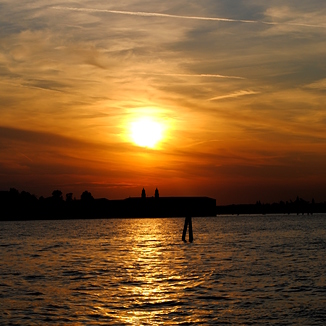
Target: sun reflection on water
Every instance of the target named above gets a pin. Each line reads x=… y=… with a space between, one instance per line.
x=151 y=278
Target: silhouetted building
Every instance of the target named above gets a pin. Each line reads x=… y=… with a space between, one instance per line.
x=157 y=195
x=143 y=193
x=163 y=207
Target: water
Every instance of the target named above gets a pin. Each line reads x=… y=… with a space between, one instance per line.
x=247 y=270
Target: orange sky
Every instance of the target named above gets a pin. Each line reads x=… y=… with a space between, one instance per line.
x=239 y=90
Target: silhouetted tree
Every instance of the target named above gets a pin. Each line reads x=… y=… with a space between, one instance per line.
x=14 y=192
x=26 y=196
x=57 y=195
x=69 y=197
x=86 y=196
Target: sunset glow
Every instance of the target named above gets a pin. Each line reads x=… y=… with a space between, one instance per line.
x=218 y=98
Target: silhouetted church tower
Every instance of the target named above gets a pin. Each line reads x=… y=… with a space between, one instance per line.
x=156 y=193
x=143 y=193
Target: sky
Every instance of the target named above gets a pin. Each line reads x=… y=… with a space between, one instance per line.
x=234 y=92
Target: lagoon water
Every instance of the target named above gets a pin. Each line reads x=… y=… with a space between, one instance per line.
x=247 y=270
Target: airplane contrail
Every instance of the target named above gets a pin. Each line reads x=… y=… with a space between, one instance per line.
x=154 y=14
x=195 y=75
x=233 y=95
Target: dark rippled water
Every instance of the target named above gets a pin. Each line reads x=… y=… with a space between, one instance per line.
x=239 y=270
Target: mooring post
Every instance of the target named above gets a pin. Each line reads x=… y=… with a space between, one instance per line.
x=191 y=237
x=187 y=221
x=184 y=230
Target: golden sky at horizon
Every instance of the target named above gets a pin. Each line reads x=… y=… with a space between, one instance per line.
x=238 y=88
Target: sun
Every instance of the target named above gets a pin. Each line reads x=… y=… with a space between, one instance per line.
x=146 y=132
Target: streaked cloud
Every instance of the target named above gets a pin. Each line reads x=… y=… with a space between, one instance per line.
x=318 y=85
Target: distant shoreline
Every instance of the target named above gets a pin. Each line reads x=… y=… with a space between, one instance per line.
x=299 y=206
x=20 y=206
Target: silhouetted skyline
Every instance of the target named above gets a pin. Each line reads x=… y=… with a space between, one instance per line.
x=25 y=206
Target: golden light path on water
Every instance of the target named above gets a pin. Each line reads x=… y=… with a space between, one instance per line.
x=151 y=286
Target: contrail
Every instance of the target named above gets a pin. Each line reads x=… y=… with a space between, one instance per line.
x=26 y=157
x=195 y=75
x=154 y=14
x=233 y=95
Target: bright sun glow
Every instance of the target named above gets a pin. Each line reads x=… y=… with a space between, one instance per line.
x=146 y=132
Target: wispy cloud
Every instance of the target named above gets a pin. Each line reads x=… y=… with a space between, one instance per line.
x=104 y=184
x=287 y=16
x=155 y=14
x=319 y=85
x=233 y=95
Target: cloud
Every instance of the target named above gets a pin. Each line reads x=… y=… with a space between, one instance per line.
x=55 y=142
x=37 y=137
x=318 y=85
x=233 y=95
x=286 y=18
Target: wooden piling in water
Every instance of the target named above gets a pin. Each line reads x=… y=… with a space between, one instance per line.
x=184 y=231
x=191 y=237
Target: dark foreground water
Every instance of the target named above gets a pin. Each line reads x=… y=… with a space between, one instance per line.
x=239 y=270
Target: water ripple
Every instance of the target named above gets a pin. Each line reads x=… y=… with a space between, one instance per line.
x=250 y=270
